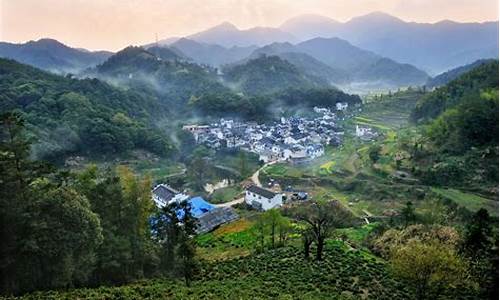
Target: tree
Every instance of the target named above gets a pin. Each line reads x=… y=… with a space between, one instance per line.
x=431 y=267
x=242 y=157
x=272 y=218
x=123 y=202
x=478 y=234
x=49 y=232
x=198 y=171
x=14 y=179
x=480 y=247
x=408 y=213
x=174 y=228
x=374 y=152
x=322 y=218
x=186 y=250
x=59 y=248
x=259 y=231
x=307 y=240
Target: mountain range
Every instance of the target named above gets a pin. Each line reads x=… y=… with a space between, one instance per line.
x=433 y=47
x=377 y=49
x=52 y=55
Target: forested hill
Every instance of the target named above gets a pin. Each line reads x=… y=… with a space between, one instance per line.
x=452 y=74
x=460 y=130
x=268 y=74
x=175 y=81
x=464 y=89
x=69 y=116
x=52 y=55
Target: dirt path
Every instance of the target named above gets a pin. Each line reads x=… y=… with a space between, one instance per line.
x=231 y=203
x=255 y=180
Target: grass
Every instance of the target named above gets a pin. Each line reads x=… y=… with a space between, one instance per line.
x=357 y=234
x=225 y=194
x=469 y=201
x=228 y=241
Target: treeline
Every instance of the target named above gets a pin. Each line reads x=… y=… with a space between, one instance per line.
x=79 y=116
x=61 y=229
x=264 y=107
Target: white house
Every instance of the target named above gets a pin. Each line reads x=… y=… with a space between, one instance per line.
x=262 y=199
x=341 y=106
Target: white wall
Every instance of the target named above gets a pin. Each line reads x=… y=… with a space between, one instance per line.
x=266 y=204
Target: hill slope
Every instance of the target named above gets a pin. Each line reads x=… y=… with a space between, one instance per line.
x=211 y=54
x=364 y=65
x=267 y=74
x=276 y=274
x=450 y=75
x=468 y=85
x=69 y=116
x=52 y=55
x=174 y=81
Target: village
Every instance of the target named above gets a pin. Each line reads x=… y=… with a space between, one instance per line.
x=292 y=139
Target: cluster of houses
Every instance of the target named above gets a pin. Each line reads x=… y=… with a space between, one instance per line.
x=365 y=133
x=294 y=139
x=209 y=216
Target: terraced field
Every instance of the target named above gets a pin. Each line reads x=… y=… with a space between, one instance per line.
x=276 y=274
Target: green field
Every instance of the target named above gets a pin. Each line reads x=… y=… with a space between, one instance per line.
x=225 y=194
x=469 y=201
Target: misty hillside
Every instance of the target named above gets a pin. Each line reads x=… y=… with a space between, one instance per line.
x=176 y=81
x=304 y=62
x=167 y=53
x=211 y=54
x=337 y=61
x=51 y=55
x=69 y=116
x=267 y=74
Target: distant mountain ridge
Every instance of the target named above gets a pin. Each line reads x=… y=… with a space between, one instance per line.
x=52 y=55
x=228 y=35
x=337 y=61
x=433 y=47
x=211 y=54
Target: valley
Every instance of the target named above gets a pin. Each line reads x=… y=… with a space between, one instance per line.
x=313 y=160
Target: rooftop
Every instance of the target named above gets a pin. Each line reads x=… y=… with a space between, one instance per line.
x=260 y=191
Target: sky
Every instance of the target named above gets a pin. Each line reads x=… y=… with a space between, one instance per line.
x=115 y=24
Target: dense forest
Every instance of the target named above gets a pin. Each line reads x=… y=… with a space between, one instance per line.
x=268 y=74
x=68 y=115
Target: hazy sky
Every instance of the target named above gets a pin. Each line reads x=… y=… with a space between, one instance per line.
x=114 y=24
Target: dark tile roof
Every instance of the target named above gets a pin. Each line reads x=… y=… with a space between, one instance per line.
x=260 y=191
x=216 y=217
x=164 y=192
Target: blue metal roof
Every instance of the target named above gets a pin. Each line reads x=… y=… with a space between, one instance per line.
x=199 y=206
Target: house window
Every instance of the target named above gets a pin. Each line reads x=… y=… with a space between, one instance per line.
x=259 y=197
